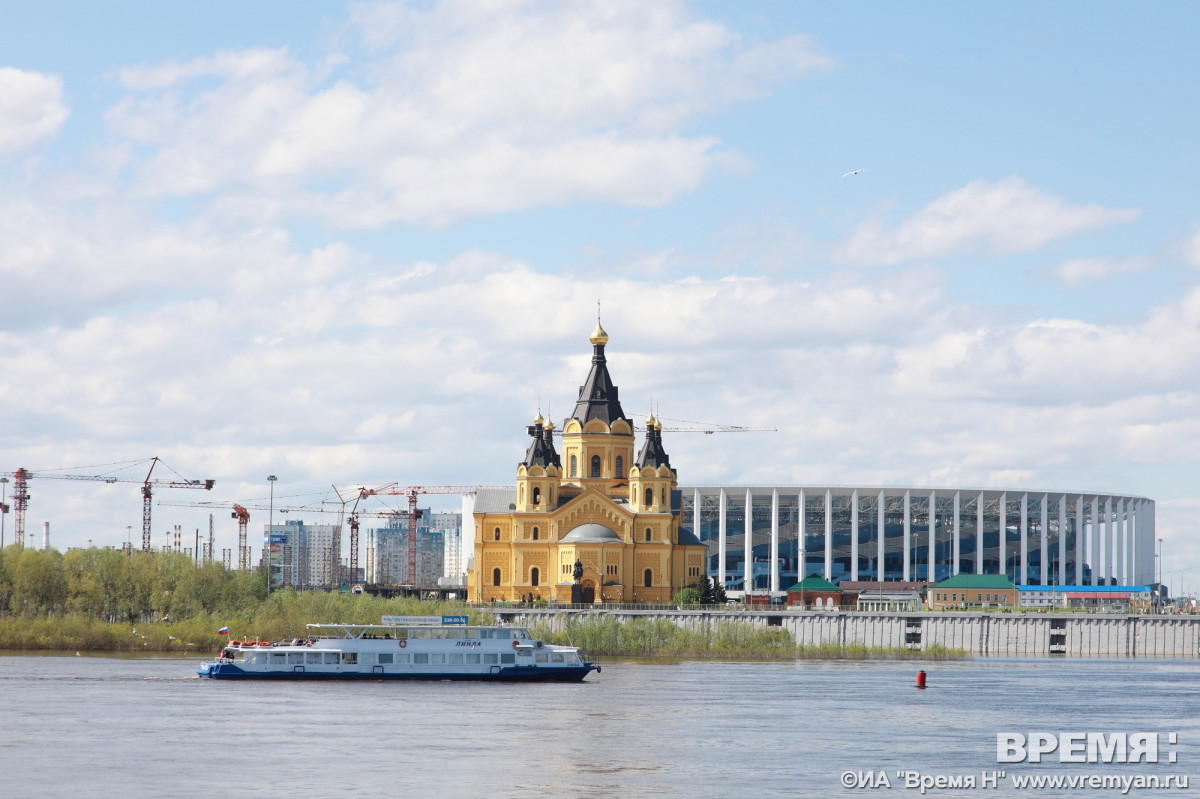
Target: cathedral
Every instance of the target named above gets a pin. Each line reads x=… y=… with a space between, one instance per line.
x=595 y=524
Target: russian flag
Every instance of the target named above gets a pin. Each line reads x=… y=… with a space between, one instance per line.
x=223 y=631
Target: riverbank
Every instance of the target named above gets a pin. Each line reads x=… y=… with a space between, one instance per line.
x=284 y=616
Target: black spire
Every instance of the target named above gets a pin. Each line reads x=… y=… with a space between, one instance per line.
x=541 y=449
x=652 y=453
x=598 y=395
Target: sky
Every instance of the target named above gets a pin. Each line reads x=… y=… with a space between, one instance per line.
x=364 y=244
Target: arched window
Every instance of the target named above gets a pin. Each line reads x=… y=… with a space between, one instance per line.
x=649 y=578
x=497 y=534
x=537 y=495
x=647 y=533
x=574 y=465
x=620 y=466
x=664 y=497
x=595 y=466
x=649 y=497
x=496 y=576
x=534 y=575
x=535 y=538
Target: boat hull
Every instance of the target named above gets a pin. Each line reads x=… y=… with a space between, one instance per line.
x=228 y=671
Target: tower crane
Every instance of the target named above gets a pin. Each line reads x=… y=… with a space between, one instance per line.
x=412 y=492
x=21 y=492
x=243 y=516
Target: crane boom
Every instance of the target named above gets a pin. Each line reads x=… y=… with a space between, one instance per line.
x=21 y=495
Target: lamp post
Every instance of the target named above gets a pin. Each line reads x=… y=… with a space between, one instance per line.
x=270 y=524
x=1158 y=579
x=3 y=508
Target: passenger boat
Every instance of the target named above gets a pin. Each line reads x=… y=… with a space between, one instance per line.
x=402 y=648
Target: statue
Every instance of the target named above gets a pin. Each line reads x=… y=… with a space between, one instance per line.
x=577 y=572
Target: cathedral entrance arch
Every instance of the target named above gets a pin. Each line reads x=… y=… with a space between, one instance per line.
x=589 y=592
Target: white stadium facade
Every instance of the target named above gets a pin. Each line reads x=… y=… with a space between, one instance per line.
x=929 y=534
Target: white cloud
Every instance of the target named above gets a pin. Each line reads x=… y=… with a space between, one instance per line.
x=1079 y=271
x=468 y=109
x=31 y=108
x=1191 y=249
x=999 y=218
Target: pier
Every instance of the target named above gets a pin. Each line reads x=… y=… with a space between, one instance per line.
x=982 y=634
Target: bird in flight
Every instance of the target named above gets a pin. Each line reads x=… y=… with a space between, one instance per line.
x=853 y=172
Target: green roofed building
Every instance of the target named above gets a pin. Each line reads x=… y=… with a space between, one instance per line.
x=814 y=592
x=973 y=591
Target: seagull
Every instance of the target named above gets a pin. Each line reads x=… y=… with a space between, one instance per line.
x=853 y=172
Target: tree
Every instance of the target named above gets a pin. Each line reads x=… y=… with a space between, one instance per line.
x=706 y=590
x=687 y=596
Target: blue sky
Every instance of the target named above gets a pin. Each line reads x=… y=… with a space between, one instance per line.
x=356 y=244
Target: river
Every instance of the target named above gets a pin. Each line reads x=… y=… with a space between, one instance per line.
x=99 y=726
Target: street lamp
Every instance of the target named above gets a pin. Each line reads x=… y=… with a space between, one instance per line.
x=3 y=508
x=270 y=524
x=1158 y=580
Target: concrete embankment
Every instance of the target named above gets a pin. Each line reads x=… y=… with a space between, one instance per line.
x=983 y=634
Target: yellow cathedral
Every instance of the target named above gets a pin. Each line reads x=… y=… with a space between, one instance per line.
x=595 y=525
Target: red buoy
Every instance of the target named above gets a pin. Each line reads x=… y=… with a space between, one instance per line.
x=920 y=679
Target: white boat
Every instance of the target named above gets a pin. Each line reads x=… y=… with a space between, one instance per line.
x=402 y=648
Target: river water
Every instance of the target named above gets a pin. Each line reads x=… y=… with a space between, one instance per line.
x=100 y=726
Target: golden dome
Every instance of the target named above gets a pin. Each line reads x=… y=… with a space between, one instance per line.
x=599 y=338
x=549 y=425
x=538 y=421
x=650 y=421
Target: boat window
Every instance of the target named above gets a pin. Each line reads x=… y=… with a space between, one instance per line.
x=418 y=633
x=470 y=632
x=503 y=633
x=313 y=657
x=486 y=633
x=402 y=658
x=437 y=658
x=349 y=658
x=367 y=658
x=456 y=658
x=473 y=657
x=508 y=657
x=295 y=657
x=525 y=653
x=420 y=657
x=385 y=658
x=542 y=657
x=456 y=633
x=491 y=658
x=331 y=658
x=556 y=658
x=278 y=657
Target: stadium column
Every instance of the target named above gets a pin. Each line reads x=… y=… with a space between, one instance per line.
x=802 y=554
x=1079 y=541
x=907 y=534
x=1094 y=540
x=880 y=538
x=721 y=541
x=956 y=547
x=696 y=500
x=1002 y=516
x=1024 y=528
x=854 y=534
x=1062 y=539
x=774 y=584
x=931 y=570
x=748 y=545
x=828 y=534
x=1043 y=555
x=1110 y=549
x=979 y=534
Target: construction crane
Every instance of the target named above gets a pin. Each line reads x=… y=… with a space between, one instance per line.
x=412 y=492
x=241 y=512
x=23 y=476
x=243 y=517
